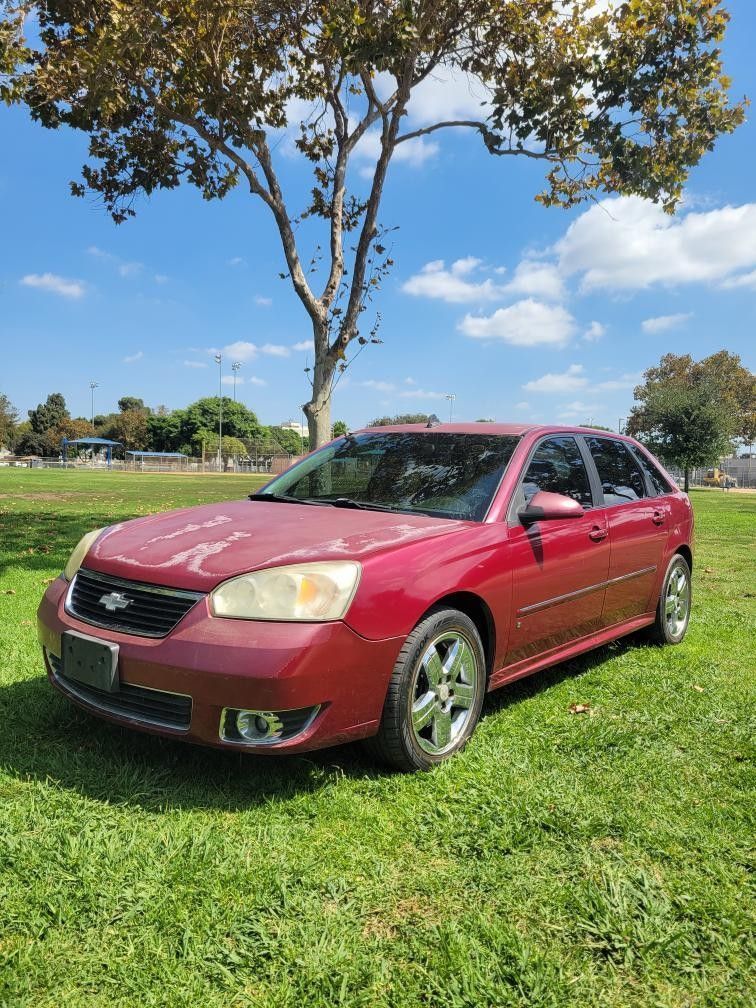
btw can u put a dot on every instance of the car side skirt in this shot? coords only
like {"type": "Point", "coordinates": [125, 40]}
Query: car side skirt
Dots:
{"type": "Point", "coordinates": [562, 653]}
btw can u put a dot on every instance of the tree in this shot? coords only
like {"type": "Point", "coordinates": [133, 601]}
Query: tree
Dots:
{"type": "Point", "coordinates": [400, 418]}
{"type": "Point", "coordinates": [623, 100]}
{"type": "Point", "coordinates": [689, 412]}
{"type": "Point", "coordinates": [52, 412]}
{"type": "Point", "coordinates": [130, 428]}
{"type": "Point", "coordinates": [238, 420]}
{"type": "Point", "coordinates": [8, 421]}
{"type": "Point", "coordinates": [340, 429]}
{"type": "Point", "coordinates": [126, 403]}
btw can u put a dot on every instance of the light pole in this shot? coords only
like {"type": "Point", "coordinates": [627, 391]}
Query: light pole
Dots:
{"type": "Point", "coordinates": [621, 425]}
{"type": "Point", "coordinates": [92, 386]}
{"type": "Point", "coordinates": [451, 397]}
{"type": "Point", "coordinates": [219, 362]}
{"type": "Point", "coordinates": [235, 367]}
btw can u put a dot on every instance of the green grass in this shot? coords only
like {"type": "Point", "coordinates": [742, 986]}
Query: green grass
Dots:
{"type": "Point", "coordinates": [584, 860]}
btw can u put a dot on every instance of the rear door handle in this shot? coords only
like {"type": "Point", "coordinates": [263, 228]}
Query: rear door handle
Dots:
{"type": "Point", "coordinates": [597, 533]}
{"type": "Point", "coordinates": [658, 517]}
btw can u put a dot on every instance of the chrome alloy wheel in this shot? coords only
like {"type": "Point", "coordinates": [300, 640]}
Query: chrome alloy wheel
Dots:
{"type": "Point", "coordinates": [443, 692]}
{"type": "Point", "coordinates": [677, 601]}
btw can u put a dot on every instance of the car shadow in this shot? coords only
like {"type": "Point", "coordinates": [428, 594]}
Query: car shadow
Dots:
{"type": "Point", "coordinates": [46, 738]}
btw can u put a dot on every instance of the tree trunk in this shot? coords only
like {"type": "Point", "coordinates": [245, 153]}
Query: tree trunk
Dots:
{"type": "Point", "coordinates": [318, 409]}
{"type": "Point", "coordinates": [687, 479]}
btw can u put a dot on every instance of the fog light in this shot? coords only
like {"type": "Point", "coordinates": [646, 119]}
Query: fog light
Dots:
{"type": "Point", "coordinates": [258, 726]}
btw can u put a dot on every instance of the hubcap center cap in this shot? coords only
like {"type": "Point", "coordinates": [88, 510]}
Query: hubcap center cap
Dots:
{"type": "Point", "coordinates": [443, 692]}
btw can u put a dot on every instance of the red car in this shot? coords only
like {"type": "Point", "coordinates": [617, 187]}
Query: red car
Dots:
{"type": "Point", "coordinates": [376, 590]}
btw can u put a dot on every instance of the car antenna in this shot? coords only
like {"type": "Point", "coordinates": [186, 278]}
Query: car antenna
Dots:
{"type": "Point", "coordinates": [433, 421]}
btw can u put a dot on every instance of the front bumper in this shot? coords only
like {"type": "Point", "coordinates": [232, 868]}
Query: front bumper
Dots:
{"type": "Point", "coordinates": [223, 663]}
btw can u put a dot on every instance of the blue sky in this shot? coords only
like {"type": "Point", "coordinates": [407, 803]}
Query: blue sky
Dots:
{"type": "Point", "coordinates": [523, 313]}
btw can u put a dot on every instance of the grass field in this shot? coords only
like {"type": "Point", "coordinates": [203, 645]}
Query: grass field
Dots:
{"type": "Point", "coordinates": [584, 860]}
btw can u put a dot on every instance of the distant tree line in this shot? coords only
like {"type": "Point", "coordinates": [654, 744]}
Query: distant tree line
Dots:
{"type": "Point", "coordinates": [191, 430]}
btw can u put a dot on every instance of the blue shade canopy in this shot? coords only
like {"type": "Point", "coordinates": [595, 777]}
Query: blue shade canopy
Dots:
{"type": "Point", "coordinates": [154, 454]}
{"type": "Point", "coordinates": [91, 441]}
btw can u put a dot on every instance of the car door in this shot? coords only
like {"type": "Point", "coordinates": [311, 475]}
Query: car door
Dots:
{"type": "Point", "coordinates": [638, 529]}
{"type": "Point", "coordinates": [559, 568]}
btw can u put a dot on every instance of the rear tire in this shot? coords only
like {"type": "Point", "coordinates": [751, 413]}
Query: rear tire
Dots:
{"type": "Point", "coordinates": [435, 694]}
{"type": "Point", "coordinates": [673, 610]}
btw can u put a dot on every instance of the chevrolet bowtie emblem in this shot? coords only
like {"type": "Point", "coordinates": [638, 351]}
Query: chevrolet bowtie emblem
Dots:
{"type": "Point", "coordinates": [115, 601]}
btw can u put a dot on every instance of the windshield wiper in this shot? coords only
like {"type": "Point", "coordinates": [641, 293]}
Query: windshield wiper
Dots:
{"type": "Point", "coordinates": [273, 498]}
{"type": "Point", "coordinates": [347, 502]}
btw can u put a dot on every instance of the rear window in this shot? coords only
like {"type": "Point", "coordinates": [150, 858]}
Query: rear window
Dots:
{"type": "Point", "coordinates": [656, 477]}
{"type": "Point", "coordinates": [619, 473]}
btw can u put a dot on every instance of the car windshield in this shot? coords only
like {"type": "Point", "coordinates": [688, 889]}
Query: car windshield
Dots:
{"type": "Point", "coordinates": [446, 475]}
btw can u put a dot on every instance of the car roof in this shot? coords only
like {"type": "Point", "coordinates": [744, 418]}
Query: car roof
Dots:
{"type": "Point", "coordinates": [485, 427]}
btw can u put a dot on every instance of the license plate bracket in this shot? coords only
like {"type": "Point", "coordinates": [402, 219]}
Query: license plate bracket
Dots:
{"type": "Point", "coordinates": [90, 661]}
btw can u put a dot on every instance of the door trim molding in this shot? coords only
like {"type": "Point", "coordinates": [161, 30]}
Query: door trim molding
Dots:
{"type": "Point", "coordinates": [559, 599]}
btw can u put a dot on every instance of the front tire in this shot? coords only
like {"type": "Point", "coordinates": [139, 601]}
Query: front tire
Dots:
{"type": "Point", "coordinates": [435, 694]}
{"type": "Point", "coordinates": [673, 611]}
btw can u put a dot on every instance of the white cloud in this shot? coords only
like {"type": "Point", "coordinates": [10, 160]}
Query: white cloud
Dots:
{"type": "Point", "coordinates": [540, 279]}
{"type": "Point", "coordinates": [229, 379]}
{"type": "Point", "coordinates": [235, 261]}
{"type": "Point", "coordinates": [134, 357]}
{"type": "Point", "coordinates": [253, 380]}
{"type": "Point", "coordinates": [418, 393]}
{"type": "Point", "coordinates": [447, 94]}
{"type": "Point", "coordinates": [275, 350]}
{"type": "Point", "coordinates": [662, 323]}
{"type": "Point", "coordinates": [126, 269]}
{"type": "Point", "coordinates": [194, 363]}
{"type": "Point", "coordinates": [567, 381]}
{"type": "Point", "coordinates": [594, 332]}
{"type": "Point", "coordinates": [302, 345]}
{"type": "Point", "coordinates": [744, 280]}
{"type": "Point", "coordinates": [413, 152]}
{"type": "Point", "coordinates": [579, 410]}
{"type": "Point", "coordinates": [627, 243]}
{"type": "Point", "coordinates": [240, 350]}
{"type": "Point", "coordinates": [264, 302]}
{"type": "Point", "coordinates": [54, 284]}
{"type": "Point", "coordinates": [525, 323]}
{"type": "Point", "coordinates": [391, 388]}
{"type": "Point", "coordinates": [453, 285]}
{"type": "Point", "coordinates": [379, 386]}
{"type": "Point", "coordinates": [625, 381]}
{"type": "Point", "coordinates": [161, 278]}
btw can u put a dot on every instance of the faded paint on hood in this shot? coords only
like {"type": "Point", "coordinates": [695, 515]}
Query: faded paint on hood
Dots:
{"type": "Point", "coordinates": [197, 548]}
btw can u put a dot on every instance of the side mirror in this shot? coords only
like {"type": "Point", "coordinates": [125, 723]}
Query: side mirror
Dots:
{"type": "Point", "coordinates": [545, 506]}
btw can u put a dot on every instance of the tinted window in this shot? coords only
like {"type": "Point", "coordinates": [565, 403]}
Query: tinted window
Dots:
{"type": "Point", "coordinates": [658, 480]}
{"type": "Point", "coordinates": [446, 475]}
{"type": "Point", "coordinates": [557, 466]}
{"type": "Point", "coordinates": [620, 476]}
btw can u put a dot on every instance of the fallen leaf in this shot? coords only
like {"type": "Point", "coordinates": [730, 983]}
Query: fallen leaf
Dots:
{"type": "Point", "coordinates": [579, 708]}
{"type": "Point", "coordinates": [698, 689]}
{"type": "Point", "coordinates": [708, 570]}
{"type": "Point", "coordinates": [10, 591]}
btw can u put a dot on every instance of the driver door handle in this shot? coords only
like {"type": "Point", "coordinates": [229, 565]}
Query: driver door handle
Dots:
{"type": "Point", "coordinates": [597, 533]}
{"type": "Point", "coordinates": [658, 517]}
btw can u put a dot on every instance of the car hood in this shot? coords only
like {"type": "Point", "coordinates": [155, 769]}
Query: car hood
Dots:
{"type": "Point", "coordinates": [197, 548]}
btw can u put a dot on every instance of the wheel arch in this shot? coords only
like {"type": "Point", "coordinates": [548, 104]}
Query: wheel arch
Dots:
{"type": "Point", "coordinates": [686, 553]}
{"type": "Point", "coordinates": [477, 610]}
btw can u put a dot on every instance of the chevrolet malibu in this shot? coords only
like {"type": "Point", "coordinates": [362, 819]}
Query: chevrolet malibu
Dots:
{"type": "Point", "coordinates": [376, 590]}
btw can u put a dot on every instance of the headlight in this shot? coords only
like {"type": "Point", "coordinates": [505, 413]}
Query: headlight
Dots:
{"type": "Point", "coordinates": [77, 557]}
{"type": "Point", "coordinates": [308, 592]}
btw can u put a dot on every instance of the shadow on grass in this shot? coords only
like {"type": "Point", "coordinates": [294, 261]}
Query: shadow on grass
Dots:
{"type": "Point", "coordinates": [46, 738]}
{"type": "Point", "coordinates": [40, 540]}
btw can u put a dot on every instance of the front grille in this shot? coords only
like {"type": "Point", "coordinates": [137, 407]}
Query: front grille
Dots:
{"type": "Point", "coordinates": [143, 609]}
{"type": "Point", "coordinates": [136, 703]}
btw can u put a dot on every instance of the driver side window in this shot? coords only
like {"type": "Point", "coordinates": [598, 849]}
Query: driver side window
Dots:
{"type": "Point", "coordinates": [557, 467]}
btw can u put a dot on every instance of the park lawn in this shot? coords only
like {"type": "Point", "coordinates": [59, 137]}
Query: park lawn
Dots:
{"type": "Point", "coordinates": [595, 859]}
